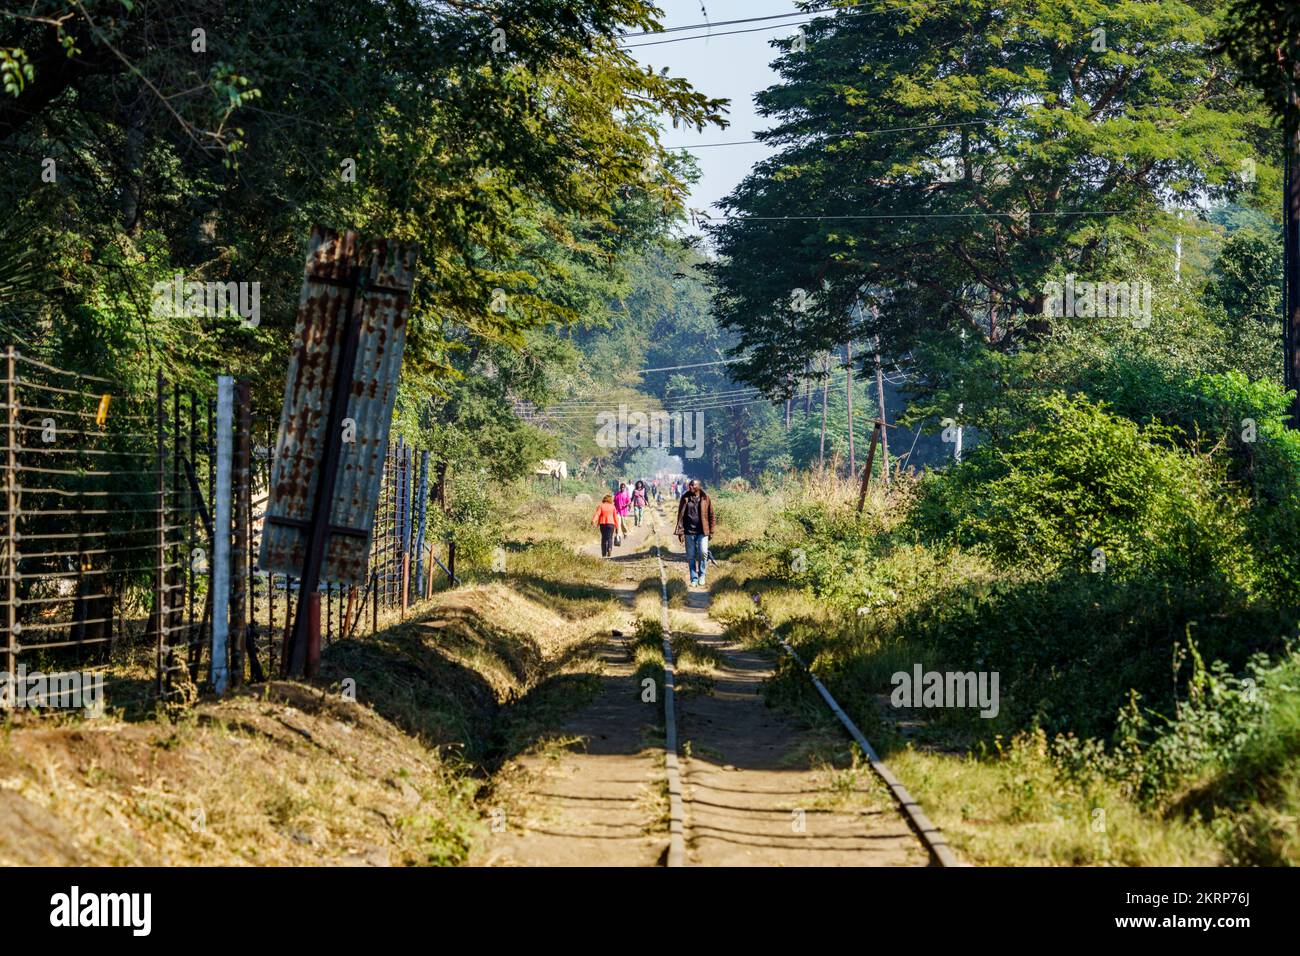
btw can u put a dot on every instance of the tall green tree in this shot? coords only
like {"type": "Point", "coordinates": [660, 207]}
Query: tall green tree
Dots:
{"type": "Point", "coordinates": [958, 156]}
{"type": "Point", "coordinates": [1263, 39]}
{"type": "Point", "coordinates": [206, 137]}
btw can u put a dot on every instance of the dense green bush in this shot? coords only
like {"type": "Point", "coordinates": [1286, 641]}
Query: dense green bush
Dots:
{"type": "Point", "coordinates": [1262, 775]}
{"type": "Point", "coordinates": [1128, 570]}
{"type": "Point", "coordinates": [1070, 648]}
{"type": "Point", "coordinates": [1239, 421]}
{"type": "Point", "coordinates": [473, 519]}
{"type": "Point", "coordinates": [1075, 558]}
{"type": "Point", "coordinates": [1081, 488]}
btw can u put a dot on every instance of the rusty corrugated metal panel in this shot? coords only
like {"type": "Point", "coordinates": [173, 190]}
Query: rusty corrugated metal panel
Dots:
{"type": "Point", "coordinates": [383, 304]}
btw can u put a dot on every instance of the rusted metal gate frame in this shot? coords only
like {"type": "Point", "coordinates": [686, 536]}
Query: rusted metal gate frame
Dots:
{"type": "Point", "coordinates": [318, 526]}
{"type": "Point", "coordinates": [370, 277]}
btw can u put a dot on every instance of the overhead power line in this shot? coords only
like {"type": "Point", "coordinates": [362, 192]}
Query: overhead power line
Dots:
{"type": "Point", "coordinates": [854, 132]}
{"type": "Point", "coordinates": [641, 407]}
{"type": "Point", "coordinates": [811, 15]}
{"type": "Point", "coordinates": [593, 405]}
{"type": "Point", "coordinates": [673, 368]}
{"type": "Point", "coordinates": [587, 409]}
{"type": "Point", "coordinates": [913, 215]}
{"type": "Point", "coordinates": [838, 374]}
{"type": "Point", "coordinates": [728, 23]}
{"type": "Point", "coordinates": [709, 36]}
{"type": "Point", "coordinates": [590, 417]}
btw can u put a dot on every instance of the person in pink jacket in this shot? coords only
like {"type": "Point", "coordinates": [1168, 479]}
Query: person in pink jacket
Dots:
{"type": "Point", "coordinates": [622, 502]}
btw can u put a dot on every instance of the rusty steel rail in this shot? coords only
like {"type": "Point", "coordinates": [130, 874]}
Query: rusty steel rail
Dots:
{"type": "Point", "coordinates": [930, 835]}
{"type": "Point", "coordinates": [676, 804]}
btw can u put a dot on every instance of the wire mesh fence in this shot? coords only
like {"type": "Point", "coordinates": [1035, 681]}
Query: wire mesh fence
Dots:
{"type": "Point", "coordinates": [94, 522]}
{"type": "Point", "coordinates": [106, 541]}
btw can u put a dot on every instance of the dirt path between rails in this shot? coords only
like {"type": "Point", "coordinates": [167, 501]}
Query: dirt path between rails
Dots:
{"type": "Point", "coordinates": [759, 789]}
{"type": "Point", "coordinates": [599, 800]}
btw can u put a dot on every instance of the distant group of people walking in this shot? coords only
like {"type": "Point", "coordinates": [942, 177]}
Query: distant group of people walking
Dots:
{"type": "Point", "coordinates": [611, 515]}
{"type": "Point", "coordinates": [695, 519]}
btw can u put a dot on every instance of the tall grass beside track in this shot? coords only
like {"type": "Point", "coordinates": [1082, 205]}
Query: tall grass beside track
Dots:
{"type": "Point", "coordinates": [1217, 782]}
{"type": "Point", "coordinates": [390, 757]}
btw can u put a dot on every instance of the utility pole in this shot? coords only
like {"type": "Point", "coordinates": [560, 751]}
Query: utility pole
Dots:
{"type": "Point", "coordinates": [880, 407]}
{"type": "Point", "coordinates": [880, 398]}
{"type": "Point", "coordinates": [1178, 249]}
{"type": "Point", "coordinates": [1291, 286]}
{"type": "Point", "coordinates": [789, 381]}
{"type": "Point", "coordinates": [848, 394]}
{"type": "Point", "coordinates": [956, 449]}
{"type": "Point", "coordinates": [826, 385]}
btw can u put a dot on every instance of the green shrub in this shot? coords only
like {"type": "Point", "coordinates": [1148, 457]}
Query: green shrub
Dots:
{"type": "Point", "coordinates": [1081, 488]}
{"type": "Point", "coordinates": [1074, 559]}
{"type": "Point", "coordinates": [1247, 421]}
{"type": "Point", "coordinates": [1254, 797]}
{"type": "Point", "coordinates": [474, 519]}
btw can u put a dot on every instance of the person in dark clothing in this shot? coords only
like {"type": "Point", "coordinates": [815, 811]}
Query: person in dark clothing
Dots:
{"type": "Point", "coordinates": [695, 523]}
{"type": "Point", "coordinates": [638, 501]}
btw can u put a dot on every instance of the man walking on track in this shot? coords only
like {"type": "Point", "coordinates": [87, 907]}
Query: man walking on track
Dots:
{"type": "Point", "coordinates": [695, 522]}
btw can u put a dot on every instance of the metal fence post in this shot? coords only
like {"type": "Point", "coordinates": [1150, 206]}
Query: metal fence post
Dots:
{"type": "Point", "coordinates": [193, 650]}
{"type": "Point", "coordinates": [421, 510]}
{"type": "Point", "coordinates": [404, 522]}
{"type": "Point", "coordinates": [11, 521]}
{"type": "Point", "coordinates": [221, 535]}
{"type": "Point", "coordinates": [174, 576]}
{"type": "Point", "coordinates": [239, 554]}
{"type": "Point", "coordinates": [160, 525]}
{"type": "Point", "coordinates": [428, 578]}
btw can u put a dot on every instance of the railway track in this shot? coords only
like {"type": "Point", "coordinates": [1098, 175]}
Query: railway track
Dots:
{"type": "Point", "coordinates": [676, 803]}
{"type": "Point", "coordinates": [707, 824]}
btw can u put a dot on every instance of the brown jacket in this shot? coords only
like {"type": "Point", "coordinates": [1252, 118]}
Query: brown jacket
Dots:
{"type": "Point", "coordinates": [706, 514]}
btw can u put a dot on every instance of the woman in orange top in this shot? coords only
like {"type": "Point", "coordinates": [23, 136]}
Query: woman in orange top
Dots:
{"type": "Point", "coordinates": [607, 517]}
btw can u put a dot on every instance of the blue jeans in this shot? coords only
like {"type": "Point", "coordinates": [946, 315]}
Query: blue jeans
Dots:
{"type": "Point", "coordinates": [697, 555]}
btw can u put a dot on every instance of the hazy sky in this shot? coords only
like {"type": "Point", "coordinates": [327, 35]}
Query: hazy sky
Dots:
{"type": "Point", "coordinates": [734, 67]}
